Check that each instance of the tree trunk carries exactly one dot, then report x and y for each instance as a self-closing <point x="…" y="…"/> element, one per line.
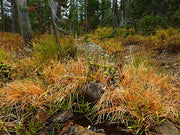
<point x="14" y="13"/>
<point x="2" y="16"/>
<point x="24" y="22"/>
<point x="114" y="13"/>
<point x="86" y="16"/>
<point x="54" y="11"/>
<point x="102" y="9"/>
<point x="122" y="13"/>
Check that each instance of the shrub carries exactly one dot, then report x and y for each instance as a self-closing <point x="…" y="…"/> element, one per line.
<point x="164" y="41"/>
<point x="102" y="33"/>
<point x="107" y="32"/>
<point x="133" y="40"/>
<point x="124" y="32"/>
<point x="12" y="42"/>
<point x="150" y="23"/>
<point x="112" y="46"/>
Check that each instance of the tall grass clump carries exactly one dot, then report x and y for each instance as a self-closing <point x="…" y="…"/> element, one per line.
<point x="47" y="48"/>
<point x="3" y="54"/>
<point x="141" y="100"/>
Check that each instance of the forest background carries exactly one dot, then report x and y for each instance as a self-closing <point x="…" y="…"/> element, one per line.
<point x="80" y="16"/>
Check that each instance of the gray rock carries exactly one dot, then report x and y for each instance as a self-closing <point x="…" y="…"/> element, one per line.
<point x="92" y="48"/>
<point x="92" y="91"/>
<point x="167" y="128"/>
<point x="27" y="49"/>
<point x="63" y="116"/>
<point x="78" y="130"/>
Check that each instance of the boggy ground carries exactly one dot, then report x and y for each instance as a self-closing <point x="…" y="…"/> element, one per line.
<point x="44" y="91"/>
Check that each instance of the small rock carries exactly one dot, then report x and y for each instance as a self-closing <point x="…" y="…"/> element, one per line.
<point x="100" y="131"/>
<point x="163" y="64"/>
<point x="78" y="130"/>
<point x="167" y="128"/>
<point x="91" y="49"/>
<point x="27" y="49"/>
<point x="63" y="116"/>
<point x="92" y="91"/>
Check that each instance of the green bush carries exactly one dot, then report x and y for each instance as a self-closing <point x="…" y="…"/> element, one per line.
<point x="102" y="33"/>
<point x="107" y="32"/>
<point x="150" y="23"/>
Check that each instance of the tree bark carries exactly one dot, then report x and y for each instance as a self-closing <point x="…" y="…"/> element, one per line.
<point x="24" y="22"/>
<point x="102" y="9"/>
<point x="86" y="16"/>
<point x="114" y="13"/>
<point x="122" y="13"/>
<point x="14" y="13"/>
<point x="54" y="11"/>
<point x="2" y="16"/>
<point x="54" y="6"/>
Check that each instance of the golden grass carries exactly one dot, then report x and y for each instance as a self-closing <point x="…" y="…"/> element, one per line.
<point x="139" y="100"/>
<point x="11" y="41"/>
<point x="23" y="92"/>
<point x="165" y="41"/>
<point x="139" y="97"/>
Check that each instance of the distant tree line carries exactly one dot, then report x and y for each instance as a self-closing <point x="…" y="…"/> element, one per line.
<point x="80" y="16"/>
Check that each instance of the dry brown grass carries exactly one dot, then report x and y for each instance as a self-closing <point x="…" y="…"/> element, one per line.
<point x="64" y="79"/>
<point x="23" y="92"/>
<point x="11" y="41"/>
<point x="165" y="41"/>
<point x="139" y="97"/>
<point x="141" y="100"/>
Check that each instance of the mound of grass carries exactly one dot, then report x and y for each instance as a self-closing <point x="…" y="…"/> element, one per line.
<point x="141" y="100"/>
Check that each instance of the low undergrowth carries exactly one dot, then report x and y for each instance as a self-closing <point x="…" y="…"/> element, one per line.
<point x="163" y="41"/>
<point x="11" y="42"/>
<point x="41" y="86"/>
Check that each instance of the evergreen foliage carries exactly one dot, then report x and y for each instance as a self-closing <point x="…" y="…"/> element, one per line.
<point x="72" y="14"/>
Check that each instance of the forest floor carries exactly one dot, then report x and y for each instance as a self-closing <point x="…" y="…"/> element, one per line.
<point x="131" y="89"/>
<point x="169" y="63"/>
